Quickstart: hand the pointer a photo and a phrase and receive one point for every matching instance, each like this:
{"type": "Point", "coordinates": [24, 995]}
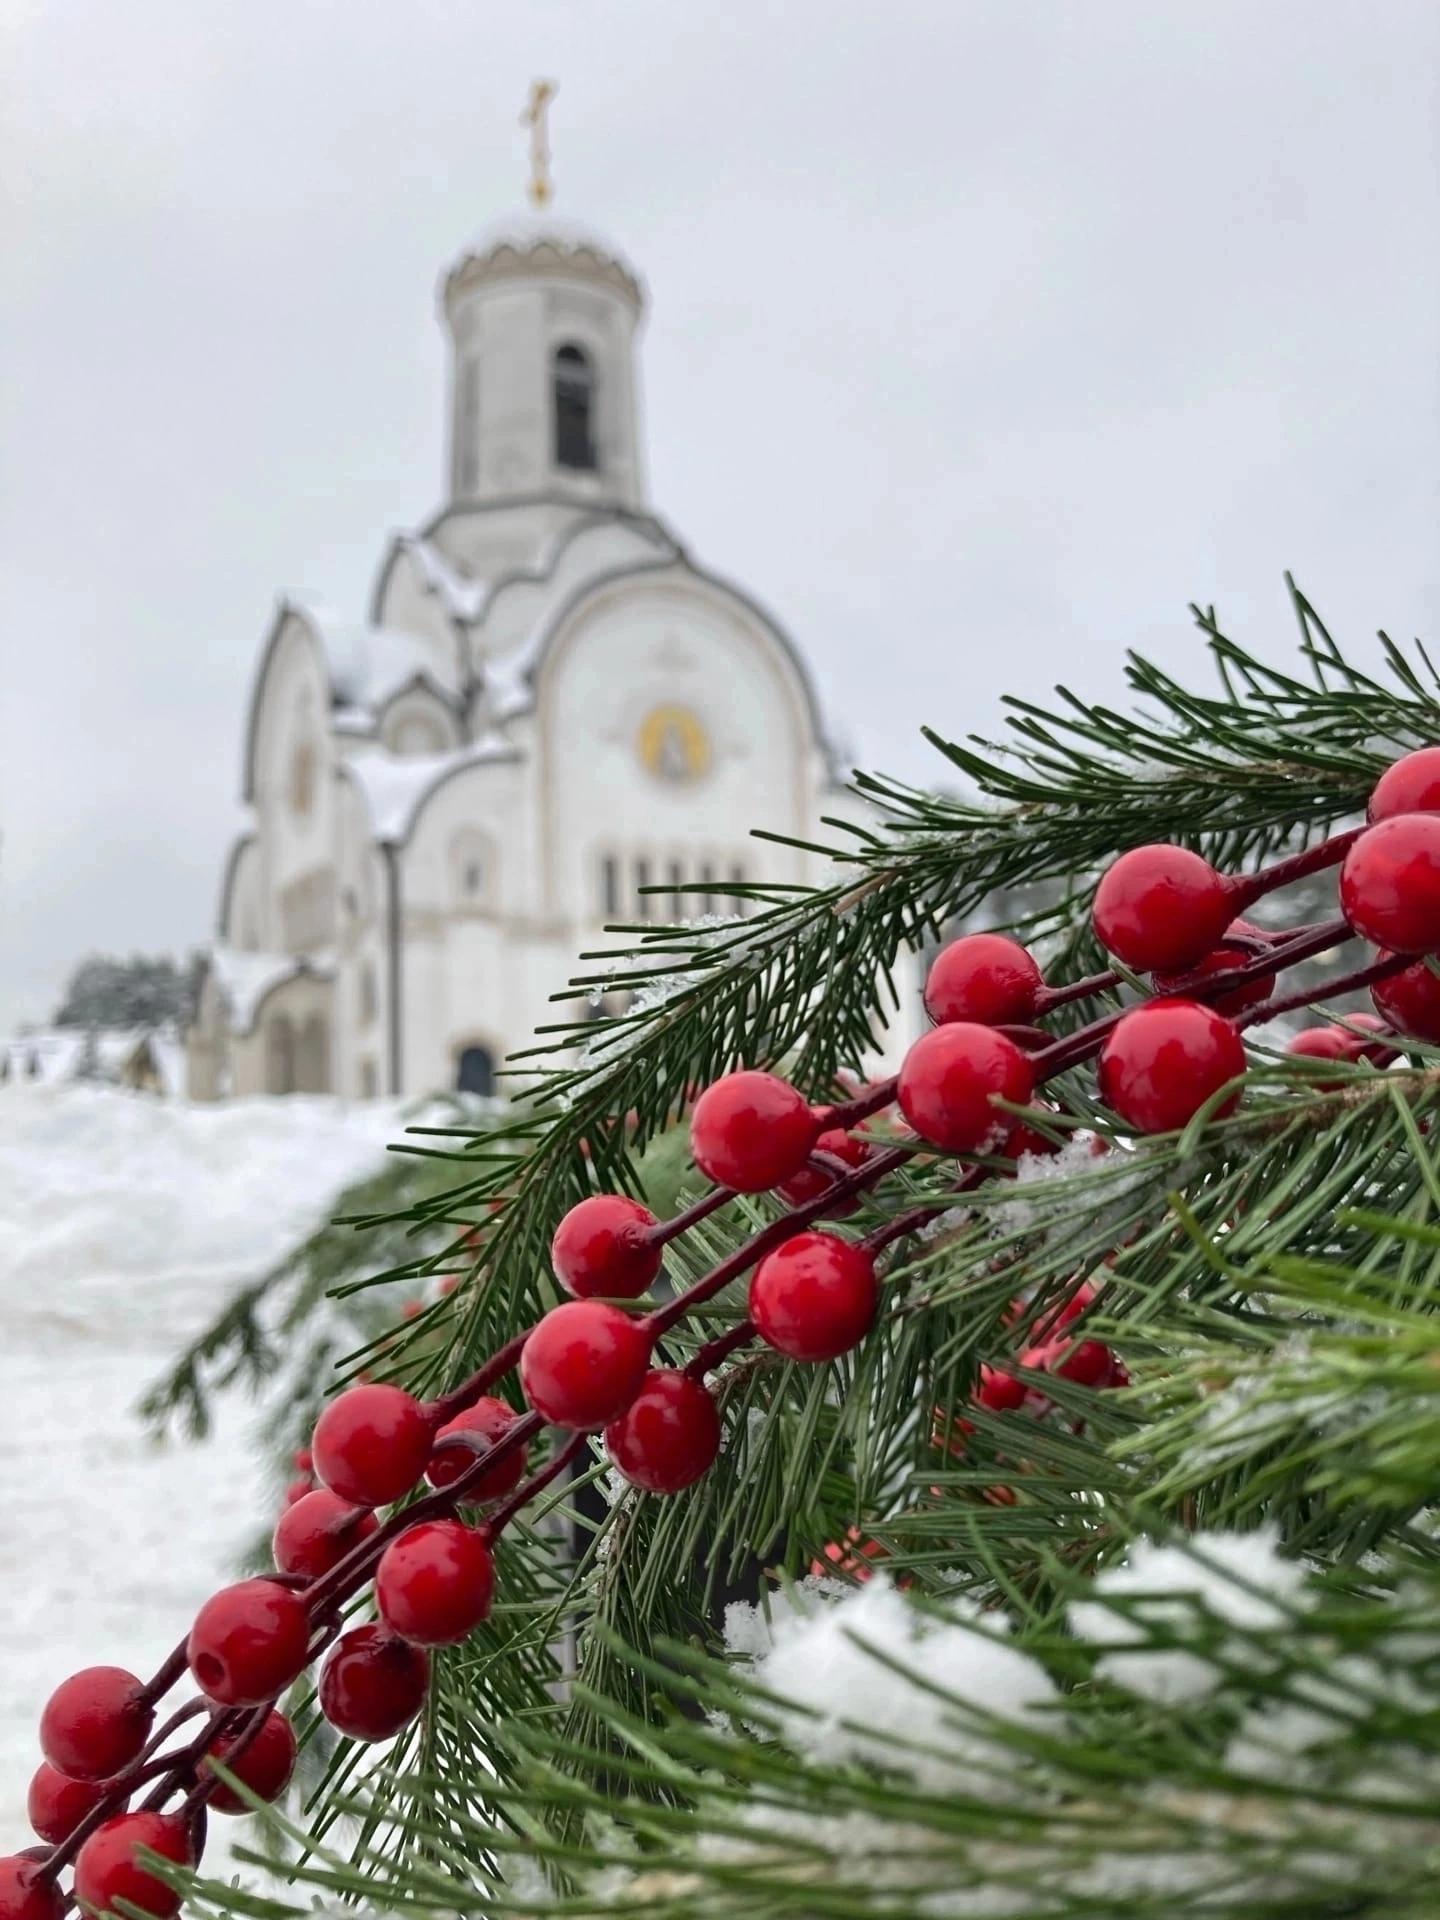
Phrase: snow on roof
{"type": "Point", "coordinates": [530, 234]}
{"type": "Point", "coordinates": [245, 978]}
{"type": "Point", "coordinates": [396, 787]}
{"type": "Point", "coordinates": [369, 664]}
{"type": "Point", "coordinates": [68, 1053]}
{"type": "Point", "coordinates": [463, 596]}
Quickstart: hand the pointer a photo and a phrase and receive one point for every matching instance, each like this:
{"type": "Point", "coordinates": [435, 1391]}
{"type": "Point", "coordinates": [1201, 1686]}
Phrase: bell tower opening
{"type": "Point", "coordinates": [573, 390]}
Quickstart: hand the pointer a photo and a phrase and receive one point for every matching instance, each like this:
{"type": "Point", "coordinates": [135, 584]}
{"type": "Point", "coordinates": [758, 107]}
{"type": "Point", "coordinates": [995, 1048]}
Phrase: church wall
{"type": "Point", "coordinates": [670, 719]}
{"type": "Point", "coordinates": [294, 800]}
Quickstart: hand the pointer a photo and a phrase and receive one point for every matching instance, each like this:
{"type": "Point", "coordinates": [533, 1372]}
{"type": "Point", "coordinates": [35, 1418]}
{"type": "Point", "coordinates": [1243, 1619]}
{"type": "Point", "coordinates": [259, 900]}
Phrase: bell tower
{"type": "Point", "coordinates": [542, 318]}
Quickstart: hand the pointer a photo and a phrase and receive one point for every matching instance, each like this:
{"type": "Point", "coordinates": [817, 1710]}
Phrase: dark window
{"type": "Point", "coordinates": [737, 879]}
{"type": "Point", "coordinates": [677, 902]}
{"type": "Point", "coordinates": [475, 1071]}
{"type": "Point", "coordinates": [609, 884]}
{"type": "Point", "coordinates": [707, 881]}
{"type": "Point", "coordinates": [574, 410]}
{"type": "Point", "coordinates": [642, 879]}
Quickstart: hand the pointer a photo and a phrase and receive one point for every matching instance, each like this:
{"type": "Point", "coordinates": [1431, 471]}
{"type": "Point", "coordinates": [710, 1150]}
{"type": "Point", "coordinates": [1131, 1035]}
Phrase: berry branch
{"type": "Point", "coordinates": [587, 1366]}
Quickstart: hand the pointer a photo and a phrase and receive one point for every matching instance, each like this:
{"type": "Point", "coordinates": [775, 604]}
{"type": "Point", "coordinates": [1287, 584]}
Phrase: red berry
{"type": "Point", "coordinates": [491, 1419]}
{"type": "Point", "coordinates": [1221, 960]}
{"type": "Point", "coordinates": [304, 1461]}
{"type": "Point", "coordinates": [264, 1767]}
{"type": "Point", "coordinates": [583, 1364]}
{"type": "Point", "coordinates": [106, 1869]}
{"type": "Point", "coordinates": [603, 1246]}
{"type": "Point", "coordinates": [297, 1490]}
{"type": "Point", "coordinates": [249, 1642]}
{"type": "Point", "coordinates": [810, 1182]}
{"type": "Point", "coordinates": [1070, 1308]}
{"type": "Point", "coordinates": [95, 1723]}
{"type": "Point", "coordinates": [750, 1131]}
{"type": "Point", "coordinates": [373, 1684]}
{"type": "Point", "coordinates": [448, 1285]}
{"type": "Point", "coordinates": [1001, 1392]}
{"type": "Point", "coordinates": [1410, 1001]}
{"type": "Point", "coordinates": [1162, 907]}
{"type": "Point", "coordinates": [1390, 883]}
{"type": "Point", "coordinates": [1411, 785]}
{"type": "Point", "coordinates": [22, 1896]}
{"type": "Point", "coordinates": [1087, 1362]}
{"type": "Point", "coordinates": [371, 1444]}
{"type": "Point", "coordinates": [56, 1804]}
{"type": "Point", "coordinates": [1326, 1043]}
{"type": "Point", "coordinates": [984, 978]}
{"type": "Point", "coordinates": [815, 1296]}
{"type": "Point", "coordinates": [317, 1532]}
{"type": "Point", "coordinates": [949, 1080]}
{"type": "Point", "coordinates": [1164, 1059]}
{"type": "Point", "coordinates": [668, 1435]}
{"type": "Point", "coordinates": [435, 1582]}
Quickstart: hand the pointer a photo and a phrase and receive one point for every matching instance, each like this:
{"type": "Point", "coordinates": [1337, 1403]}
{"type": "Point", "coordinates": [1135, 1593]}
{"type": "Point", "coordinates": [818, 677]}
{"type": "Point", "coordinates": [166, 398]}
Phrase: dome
{"type": "Point", "coordinates": [527, 246]}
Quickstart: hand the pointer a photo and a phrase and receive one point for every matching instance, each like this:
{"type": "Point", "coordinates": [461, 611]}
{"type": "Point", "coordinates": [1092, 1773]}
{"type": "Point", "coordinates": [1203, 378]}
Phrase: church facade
{"type": "Point", "coordinates": [551, 705]}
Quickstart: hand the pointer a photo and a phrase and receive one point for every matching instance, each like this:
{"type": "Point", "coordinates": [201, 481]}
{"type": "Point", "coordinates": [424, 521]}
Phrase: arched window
{"type": "Point", "coordinates": [475, 1071]}
{"type": "Point", "coordinates": [312, 1055]}
{"type": "Point", "coordinates": [574, 410]}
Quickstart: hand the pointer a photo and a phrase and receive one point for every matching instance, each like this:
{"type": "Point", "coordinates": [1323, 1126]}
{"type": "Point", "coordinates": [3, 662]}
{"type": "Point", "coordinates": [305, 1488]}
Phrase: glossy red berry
{"type": "Point", "coordinates": [435, 1582]}
{"type": "Point", "coordinates": [1087, 1362]}
{"type": "Point", "coordinates": [1390, 883]}
{"type": "Point", "coordinates": [249, 1642]}
{"type": "Point", "coordinates": [750, 1131]}
{"type": "Point", "coordinates": [583, 1364]}
{"type": "Point", "coordinates": [373, 1684]}
{"type": "Point", "coordinates": [1411, 785]}
{"type": "Point", "coordinates": [1326, 1043]}
{"type": "Point", "coordinates": [668, 1435]}
{"type": "Point", "coordinates": [56, 1804]}
{"type": "Point", "coordinates": [1164, 1059]}
{"type": "Point", "coordinates": [264, 1767]}
{"type": "Point", "coordinates": [810, 1182]}
{"type": "Point", "coordinates": [1410, 1001]}
{"type": "Point", "coordinates": [815, 1296]}
{"type": "Point", "coordinates": [304, 1460]}
{"type": "Point", "coordinates": [949, 1081]}
{"type": "Point", "coordinates": [490, 1420]}
{"type": "Point", "coordinates": [95, 1723]}
{"type": "Point", "coordinates": [985, 978]}
{"type": "Point", "coordinates": [1219, 961]}
{"type": "Point", "coordinates": [317, 1532]}
{"type": "Point", "coordinates": [603, 1247]}
{"type": "Point", "coordinates": [22, 1895]}
{"type": "Point", "coordinates": [106, 1869]}
{"type": "Point", "coordinates": [1078, 1301]}
{"type": "Point", "coordinates": [371, 1444]}
{"type": "Point", "coordinates": [1162, 908]}
{"type": "Point", "coordinates": [1001, 1392]}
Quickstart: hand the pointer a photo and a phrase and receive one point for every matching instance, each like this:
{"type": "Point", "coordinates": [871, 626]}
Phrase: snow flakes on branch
{"type": "Point", "coordinates": [1152, 1608]}
{"type": "Point", "coordinates": [864, 1675]}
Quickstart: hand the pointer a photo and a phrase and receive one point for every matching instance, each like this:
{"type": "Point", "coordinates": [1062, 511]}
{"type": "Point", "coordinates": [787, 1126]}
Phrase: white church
{"type": "Point", "coordinates": [551, 705]}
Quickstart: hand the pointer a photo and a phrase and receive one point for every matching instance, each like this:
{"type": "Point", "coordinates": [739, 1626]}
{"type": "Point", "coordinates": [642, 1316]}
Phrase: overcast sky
{"type": "Point", "coordinates": [983, 338]}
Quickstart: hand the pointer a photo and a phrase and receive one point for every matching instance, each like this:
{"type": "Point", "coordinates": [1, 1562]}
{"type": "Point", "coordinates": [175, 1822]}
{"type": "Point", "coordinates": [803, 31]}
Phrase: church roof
{"type": "Point", "coordinates": [246, 978]}
{"type": "Point", "coordinates": [395, 789]}
{"type": "Point", "coordinates": [368, 665]}
{"type": "Point", "coordinates": [523, 246]}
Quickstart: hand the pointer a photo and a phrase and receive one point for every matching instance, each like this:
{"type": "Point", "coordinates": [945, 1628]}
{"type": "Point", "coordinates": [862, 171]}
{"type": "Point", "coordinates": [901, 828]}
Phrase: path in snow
{"type": "Point", "coordinates": [124, 1222]}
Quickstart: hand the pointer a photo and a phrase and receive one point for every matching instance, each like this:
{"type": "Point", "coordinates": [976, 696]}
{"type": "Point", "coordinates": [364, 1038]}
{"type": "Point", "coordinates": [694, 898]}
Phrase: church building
{"type": "Point", "coordinates": [550, 705]}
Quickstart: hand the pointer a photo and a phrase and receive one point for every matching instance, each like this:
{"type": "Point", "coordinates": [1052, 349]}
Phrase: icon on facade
{"type": "Point", "coordinates": [673, 745]}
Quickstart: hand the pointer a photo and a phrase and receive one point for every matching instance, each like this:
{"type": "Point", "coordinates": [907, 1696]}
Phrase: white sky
{"type": "Point", "coordinates": [984, 337]}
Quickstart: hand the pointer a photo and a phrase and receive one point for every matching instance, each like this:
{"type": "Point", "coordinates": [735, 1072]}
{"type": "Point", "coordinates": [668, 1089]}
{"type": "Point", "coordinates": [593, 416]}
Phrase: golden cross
{"type": "Point", "coordinates": [541, 188]}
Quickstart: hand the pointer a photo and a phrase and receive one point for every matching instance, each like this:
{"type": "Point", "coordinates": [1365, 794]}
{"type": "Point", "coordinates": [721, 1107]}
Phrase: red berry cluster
{"type": "Point", "coordinates": [452, 1471]}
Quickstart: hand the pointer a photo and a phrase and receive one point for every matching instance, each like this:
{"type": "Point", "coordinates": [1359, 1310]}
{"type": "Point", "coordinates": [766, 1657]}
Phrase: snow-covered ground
{"type": "Point", "coordinates": [124, 1221]}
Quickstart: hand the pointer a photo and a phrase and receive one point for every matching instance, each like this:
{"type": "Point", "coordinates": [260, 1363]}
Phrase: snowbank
{"type": "Point", "coordinates": [124, 1220]}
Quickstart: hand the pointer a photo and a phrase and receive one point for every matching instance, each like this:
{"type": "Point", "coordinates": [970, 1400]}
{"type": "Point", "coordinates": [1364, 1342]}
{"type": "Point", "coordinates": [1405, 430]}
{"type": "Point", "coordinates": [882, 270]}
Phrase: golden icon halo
{"type": "Point", "coordinates": [673, 744]}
